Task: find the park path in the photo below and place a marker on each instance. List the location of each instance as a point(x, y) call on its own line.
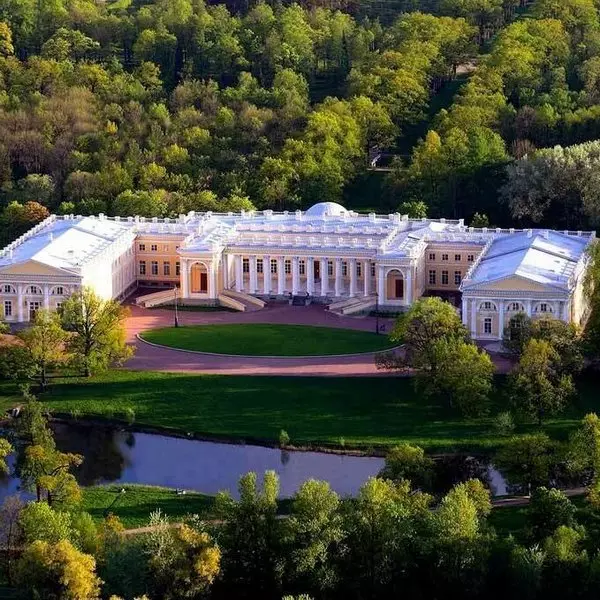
point(149, 357)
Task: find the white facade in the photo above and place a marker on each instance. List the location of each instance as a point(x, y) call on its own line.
point(327, 253)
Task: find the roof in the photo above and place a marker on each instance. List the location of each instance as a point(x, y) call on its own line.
point(545, 257)
point(64, 243)
point(326, 209)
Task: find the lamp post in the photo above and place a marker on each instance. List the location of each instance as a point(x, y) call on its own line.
point(176, 314)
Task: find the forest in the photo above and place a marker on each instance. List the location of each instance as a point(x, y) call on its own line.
point(476, 108)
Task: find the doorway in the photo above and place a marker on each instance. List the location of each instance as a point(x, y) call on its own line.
point(399, 288)
point(33, 308)
point(317, 269)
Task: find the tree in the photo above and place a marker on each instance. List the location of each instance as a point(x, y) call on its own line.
point(10, 531)
point(517, 333)
point(548, 510)
point(57, 571)
point(411, 464)
point(584, 454)
point(537, 386)
point(38, 521)
point(98, 333)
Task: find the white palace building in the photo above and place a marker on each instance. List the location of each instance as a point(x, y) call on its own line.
point(328, 254)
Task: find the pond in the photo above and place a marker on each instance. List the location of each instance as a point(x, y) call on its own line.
point(112, 455)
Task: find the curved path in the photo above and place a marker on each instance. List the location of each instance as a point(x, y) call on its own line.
point(155, 358)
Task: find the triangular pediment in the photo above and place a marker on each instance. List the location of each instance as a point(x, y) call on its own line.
point(512, 283)
point(33, 267)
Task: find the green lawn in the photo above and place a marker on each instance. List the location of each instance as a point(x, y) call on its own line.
point(135, 505)
point(363, 412)
point(262, 339)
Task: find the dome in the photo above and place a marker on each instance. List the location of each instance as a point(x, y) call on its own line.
point(326, 209)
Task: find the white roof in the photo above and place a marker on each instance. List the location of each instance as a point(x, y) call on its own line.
point(326, 209)
point(64, 244)
point(545, 257)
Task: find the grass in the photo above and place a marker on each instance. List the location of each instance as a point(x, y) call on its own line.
point(260, 339)
point(135, 505)
point(366, 412)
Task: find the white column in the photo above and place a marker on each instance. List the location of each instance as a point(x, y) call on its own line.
point(20, 303)
point(324, 276)
point(310, 275)
point(473, 317)
point(366, 278)
point(280, 275)
point(464, 311)
point(352, 267)
point(253, 275)
point(381, 285)
point(501, 318)
point(239, 274)
point(226, 264)
point(185, 280)
point(565, 312)
point(212, 279)
point(338, 277)
point(528, 307)
point(408, 287)
point(295, 276)
point(267, 274)
point(46, 297)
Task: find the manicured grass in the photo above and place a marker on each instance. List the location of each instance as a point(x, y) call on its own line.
point(135, 505)
point(261, 339)
point(364, 412)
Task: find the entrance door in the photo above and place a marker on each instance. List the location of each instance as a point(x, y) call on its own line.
point(399, 288)
point(203, 283)
point(317, 270)
point(33, 308)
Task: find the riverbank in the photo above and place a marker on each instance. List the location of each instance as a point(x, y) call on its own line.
point(367, 413)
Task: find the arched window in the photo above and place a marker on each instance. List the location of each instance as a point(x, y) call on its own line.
point(543, 308)
point(34, 290)
point(515, 307)
point(8, 289)
point(488, 306)
point(59, 290)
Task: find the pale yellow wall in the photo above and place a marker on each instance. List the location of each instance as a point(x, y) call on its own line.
point(166, 252)
point(516, 283)
point(451, 265)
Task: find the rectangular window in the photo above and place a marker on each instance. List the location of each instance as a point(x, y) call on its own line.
point(359, 269)
point(166, 268)
point(8, 308)
point(444, 257)
point(259, 265)
point(487, 325)
point(432, 256)
point(543, 307)
point(373, 270)
point(154, 247)
point(273, 265)
point(7, 289)
point(470, 257)
point(142, 247)
point(431, 277)
point(142, 267)
point(287, 266)
point(154, 267)
point(58, 291)
point(330, 268)
point(457, 258)
point(457, 277)
point(344, 268)
point(302, 267)
point(245, 265)
point(177, 268)
point(444, 277)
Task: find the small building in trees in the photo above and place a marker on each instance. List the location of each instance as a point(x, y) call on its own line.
point(350, 261)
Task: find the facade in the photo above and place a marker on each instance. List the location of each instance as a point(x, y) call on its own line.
point(328, 253)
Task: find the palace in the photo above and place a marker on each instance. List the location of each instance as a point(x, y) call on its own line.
point(352, 262)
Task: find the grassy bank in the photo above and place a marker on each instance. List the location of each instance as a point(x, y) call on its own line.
point(261, 339)
point(359, 412)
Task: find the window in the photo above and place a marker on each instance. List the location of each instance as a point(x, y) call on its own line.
point(8, 289)
point(142, 267)
point(544, 307)
point(166, 268)
point(259, 265)
point(302, 267)
point(444, 257)
point(488, 306)
point(177, 268)
point(34, 290)
point(330, 268)
point(154, 247)
point(8, 308)
point(58, 291)
point(359, 269)
point(432, 256)
point(245, 265)
point(287, 266)
point(344, 268)
point(487, 325)
point(373, 270)
point(457, 257)
point(457, 277)
point(470, 257)
point(515, 307)
point(142, 247)
point(154, 267)
point(431, 277)
point(273, 265)
point(444, 277)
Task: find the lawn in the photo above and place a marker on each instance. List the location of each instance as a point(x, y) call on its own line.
point(262, 339)
point(360, 412)
point(134, 506)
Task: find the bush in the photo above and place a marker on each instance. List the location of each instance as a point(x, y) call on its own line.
point(284, 438)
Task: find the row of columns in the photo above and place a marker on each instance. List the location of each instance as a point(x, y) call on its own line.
point(21, 297)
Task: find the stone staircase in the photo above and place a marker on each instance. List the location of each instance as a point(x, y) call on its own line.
point(351, 306)
point(298, 300)
point(240, 301)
